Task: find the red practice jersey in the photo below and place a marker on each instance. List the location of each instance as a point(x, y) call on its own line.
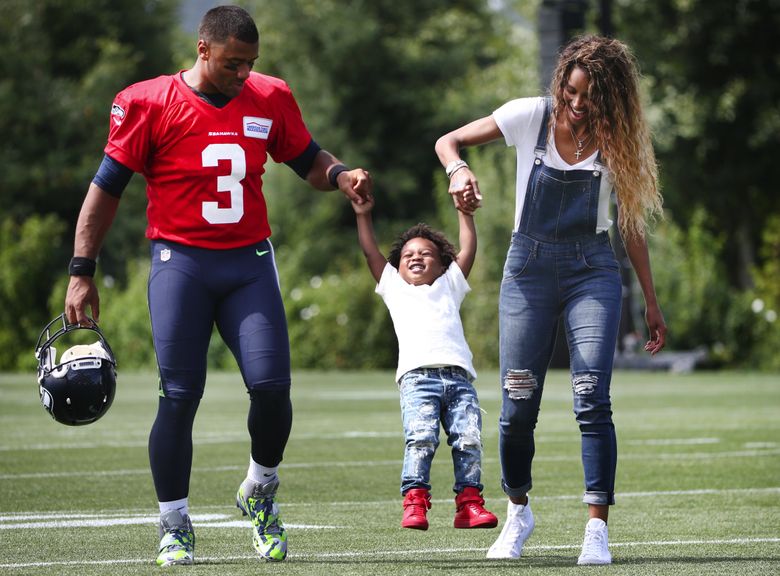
point(204, 165)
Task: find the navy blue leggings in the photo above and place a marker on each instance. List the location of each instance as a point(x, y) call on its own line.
point(170, 442)
point(192, 290)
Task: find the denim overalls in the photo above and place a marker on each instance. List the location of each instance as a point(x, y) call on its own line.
point(557, 264)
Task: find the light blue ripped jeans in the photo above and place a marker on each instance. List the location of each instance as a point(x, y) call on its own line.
point(430, 396)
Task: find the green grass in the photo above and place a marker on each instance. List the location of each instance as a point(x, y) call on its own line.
point(698, 482)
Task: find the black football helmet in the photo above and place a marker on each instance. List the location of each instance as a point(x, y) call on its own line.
point(79, 388)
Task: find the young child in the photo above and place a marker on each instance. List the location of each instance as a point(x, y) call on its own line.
point(423, 283)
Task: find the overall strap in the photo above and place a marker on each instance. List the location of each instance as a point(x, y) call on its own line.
point(599, 163)
point(541, 139)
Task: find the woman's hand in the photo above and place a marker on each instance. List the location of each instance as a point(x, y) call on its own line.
point(656, 328)
point(464, 190)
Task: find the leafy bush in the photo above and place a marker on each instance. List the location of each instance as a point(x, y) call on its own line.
point(738, 328)
point(691, 282)
point(338, 322)
point(124, 316)
point(754, 321)
point(30, 257)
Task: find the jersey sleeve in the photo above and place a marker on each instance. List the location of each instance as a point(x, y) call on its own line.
point(291, 136)
point(129, 135)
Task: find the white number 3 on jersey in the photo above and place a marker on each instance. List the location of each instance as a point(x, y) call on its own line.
point(212, 154)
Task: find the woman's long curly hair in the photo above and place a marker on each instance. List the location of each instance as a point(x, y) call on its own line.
point(446, 249)
point(617, 123)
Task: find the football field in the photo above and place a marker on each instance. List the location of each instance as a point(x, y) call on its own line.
point(698, 488)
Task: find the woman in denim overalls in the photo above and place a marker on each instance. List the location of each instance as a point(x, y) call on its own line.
point(573, 150)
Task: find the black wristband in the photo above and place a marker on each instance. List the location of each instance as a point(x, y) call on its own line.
point(80, 266)
point(334, 174)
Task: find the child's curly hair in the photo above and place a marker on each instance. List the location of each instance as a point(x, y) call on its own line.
point(446, 249)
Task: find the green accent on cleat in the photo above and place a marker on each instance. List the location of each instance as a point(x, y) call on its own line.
point(177, 540)
point(269, 537)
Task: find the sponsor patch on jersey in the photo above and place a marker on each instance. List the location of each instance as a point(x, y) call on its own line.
point(257, 127)
point(117, 114)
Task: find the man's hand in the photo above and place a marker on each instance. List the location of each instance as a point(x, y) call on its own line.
point(82, 293)
point(356, 185)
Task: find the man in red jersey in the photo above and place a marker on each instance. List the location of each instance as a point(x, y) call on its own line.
point(201, 138)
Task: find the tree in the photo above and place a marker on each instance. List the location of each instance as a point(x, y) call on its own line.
point(712, 70)
point(62, 63)
point(378, 81)
point(378, 92)
point(26, 261)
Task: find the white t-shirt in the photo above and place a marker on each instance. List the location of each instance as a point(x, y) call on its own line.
point(427, 320)
point(519, 121)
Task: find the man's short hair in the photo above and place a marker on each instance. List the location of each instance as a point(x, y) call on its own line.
point(223, 22)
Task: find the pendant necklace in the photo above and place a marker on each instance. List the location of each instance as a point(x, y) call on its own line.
point(579, 144)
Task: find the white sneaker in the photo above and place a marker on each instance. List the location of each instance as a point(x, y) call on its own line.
point(517, 528)
point(595, 547)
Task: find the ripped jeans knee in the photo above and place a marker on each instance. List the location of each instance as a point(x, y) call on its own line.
point(584, 384)
point(592, 405)
point(519, 384)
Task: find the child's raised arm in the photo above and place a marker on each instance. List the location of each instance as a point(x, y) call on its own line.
point(365, 226)
point(468, 242)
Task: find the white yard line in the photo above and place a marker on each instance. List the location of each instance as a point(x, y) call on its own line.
point(107, 517)
point(754, 453)
point(51, 520)
point(673, 441)
point(207, 439)
point(394, 553)
point(198, 439)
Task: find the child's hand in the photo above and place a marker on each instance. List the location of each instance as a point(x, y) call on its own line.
point(464, 190)
point(365, 207)
point(469, 201)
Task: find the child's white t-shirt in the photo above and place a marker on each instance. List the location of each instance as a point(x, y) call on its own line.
point(427, 320)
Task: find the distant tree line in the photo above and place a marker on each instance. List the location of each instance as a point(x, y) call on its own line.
point(378, 81)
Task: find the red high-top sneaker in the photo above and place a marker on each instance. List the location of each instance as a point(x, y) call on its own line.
point(470, 510)
point(416, 504)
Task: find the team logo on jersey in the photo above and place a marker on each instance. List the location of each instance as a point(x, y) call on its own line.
point(117, 114)
point(257, 127)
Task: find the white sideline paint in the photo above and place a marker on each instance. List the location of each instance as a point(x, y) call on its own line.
point(26, 520)
point(754, 453)
point(67, 521)
point(393, 553)
point(673, 441)
point(754, 445)
point(207, 439)
point(201, 440)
